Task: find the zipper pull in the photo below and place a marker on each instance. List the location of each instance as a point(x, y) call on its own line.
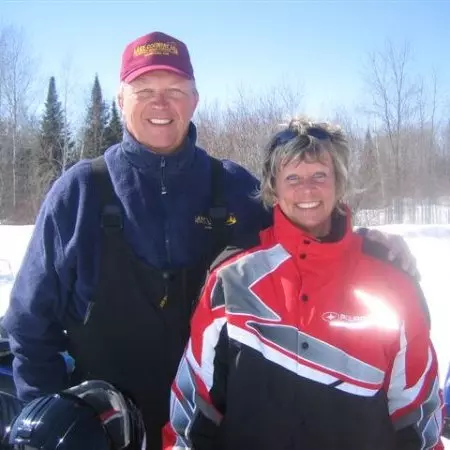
point(163, 301)
point(163, 185)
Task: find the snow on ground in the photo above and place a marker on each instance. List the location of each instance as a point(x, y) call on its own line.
point(13, 245)
point(430, 244)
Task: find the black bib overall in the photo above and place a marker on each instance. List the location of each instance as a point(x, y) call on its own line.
point(138, 322)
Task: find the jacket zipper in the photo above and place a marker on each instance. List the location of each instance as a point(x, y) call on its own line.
point(166, 276)
point(163, 183)
point(164, 192)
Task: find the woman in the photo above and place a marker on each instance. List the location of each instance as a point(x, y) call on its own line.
point(308, 339)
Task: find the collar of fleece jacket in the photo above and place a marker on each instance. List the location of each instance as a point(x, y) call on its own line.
point(147, 160)
point(305, 247)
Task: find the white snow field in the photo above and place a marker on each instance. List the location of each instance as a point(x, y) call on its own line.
point(13, 244)
point(430, 244)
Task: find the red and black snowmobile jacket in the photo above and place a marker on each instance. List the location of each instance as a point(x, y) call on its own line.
point(308, 345)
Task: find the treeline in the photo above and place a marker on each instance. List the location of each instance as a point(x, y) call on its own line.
point(36, 150)
point(400, 142)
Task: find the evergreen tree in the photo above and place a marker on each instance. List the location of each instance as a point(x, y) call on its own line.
point(114, 130)
point(369, 148)
point(370, 172)
point(96, 121)
point(370, 158)
point(52, 138)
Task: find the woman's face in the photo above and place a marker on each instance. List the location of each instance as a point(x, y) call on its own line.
point(306, 193)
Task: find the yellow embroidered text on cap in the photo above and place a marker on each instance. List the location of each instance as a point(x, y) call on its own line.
point(156, 48)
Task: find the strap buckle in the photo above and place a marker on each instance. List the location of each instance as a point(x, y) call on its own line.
point(218, 213)
point(111, 217)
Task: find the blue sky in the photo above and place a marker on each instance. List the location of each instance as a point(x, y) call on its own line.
point(319, 45)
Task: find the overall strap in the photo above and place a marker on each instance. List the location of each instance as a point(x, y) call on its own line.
point(111, 214)
point(218, 212)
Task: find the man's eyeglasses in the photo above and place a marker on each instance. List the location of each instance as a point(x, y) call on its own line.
point(167, 94)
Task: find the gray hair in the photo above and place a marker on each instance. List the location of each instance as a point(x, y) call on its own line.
point(301, 145)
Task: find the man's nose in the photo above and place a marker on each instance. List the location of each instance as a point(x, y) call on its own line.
point(159, 100)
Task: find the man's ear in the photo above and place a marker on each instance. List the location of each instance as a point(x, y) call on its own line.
point(120, 97)
point(120, 100)
point(197, 98)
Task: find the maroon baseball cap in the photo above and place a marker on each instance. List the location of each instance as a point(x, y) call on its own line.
point(155, 51)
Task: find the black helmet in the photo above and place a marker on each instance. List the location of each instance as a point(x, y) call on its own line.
point(10, 407)
point(91, 416)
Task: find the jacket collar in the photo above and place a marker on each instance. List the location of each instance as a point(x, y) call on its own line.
point(298, 242)
point(146, 159)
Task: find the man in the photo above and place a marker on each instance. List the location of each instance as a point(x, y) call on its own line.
point(119, 252)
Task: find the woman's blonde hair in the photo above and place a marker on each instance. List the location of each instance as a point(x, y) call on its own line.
point(301, 139)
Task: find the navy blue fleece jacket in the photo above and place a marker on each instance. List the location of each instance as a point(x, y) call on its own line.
point(166, 230)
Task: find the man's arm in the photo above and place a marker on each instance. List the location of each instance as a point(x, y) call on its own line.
point(414, 396)
point(396, 249)
point(33, 318)
point(198, 394)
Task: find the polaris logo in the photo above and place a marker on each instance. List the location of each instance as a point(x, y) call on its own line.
point(332, 316)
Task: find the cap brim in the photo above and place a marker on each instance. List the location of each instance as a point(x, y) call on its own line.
point(138, 72)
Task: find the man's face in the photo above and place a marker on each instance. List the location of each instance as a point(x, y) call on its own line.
point(157, 108)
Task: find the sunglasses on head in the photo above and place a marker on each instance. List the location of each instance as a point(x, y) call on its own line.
point(283, 137)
